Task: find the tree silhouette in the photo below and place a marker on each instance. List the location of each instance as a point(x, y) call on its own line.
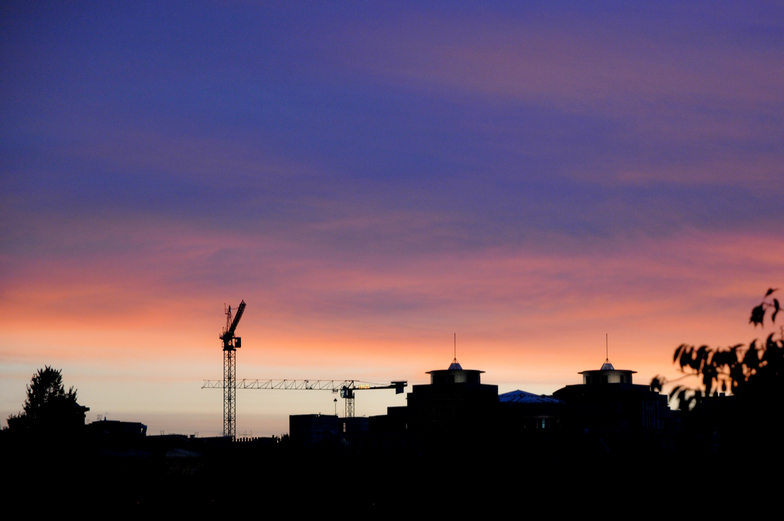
point(753, 372)
point(48, 405)
point(735, 405)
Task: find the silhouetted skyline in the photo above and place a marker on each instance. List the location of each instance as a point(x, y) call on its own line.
point(371, 179)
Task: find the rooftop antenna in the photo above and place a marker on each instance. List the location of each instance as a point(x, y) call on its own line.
point(455, 364)
point(606, 347)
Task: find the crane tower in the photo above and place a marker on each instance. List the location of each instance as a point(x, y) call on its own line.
point(230, 345)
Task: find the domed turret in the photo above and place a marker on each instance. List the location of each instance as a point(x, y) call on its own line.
point(607, 375)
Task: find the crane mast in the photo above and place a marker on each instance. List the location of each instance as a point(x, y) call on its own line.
point(230, 345)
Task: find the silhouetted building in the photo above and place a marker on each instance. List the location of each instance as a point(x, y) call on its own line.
point(609, 403)
point(314, 429)
point(527, 412)
point(116, 428)
point(354, 429)
point(456, 411)
point(455, 403)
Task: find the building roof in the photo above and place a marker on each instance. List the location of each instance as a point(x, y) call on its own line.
point(524, 397)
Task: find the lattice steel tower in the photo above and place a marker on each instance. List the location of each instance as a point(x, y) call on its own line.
point(230, 345)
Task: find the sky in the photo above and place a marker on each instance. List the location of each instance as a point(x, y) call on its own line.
point(373, 178)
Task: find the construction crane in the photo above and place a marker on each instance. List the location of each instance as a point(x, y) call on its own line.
point(230, 345)
point(346, 388)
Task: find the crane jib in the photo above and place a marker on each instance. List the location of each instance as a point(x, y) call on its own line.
point(237, 318)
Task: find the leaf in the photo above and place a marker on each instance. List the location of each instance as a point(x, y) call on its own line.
point(757, 315)
point(770, 290)
point(678, 353)
point(686, 356)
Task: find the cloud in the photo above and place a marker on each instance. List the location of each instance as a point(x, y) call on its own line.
point(572, 57)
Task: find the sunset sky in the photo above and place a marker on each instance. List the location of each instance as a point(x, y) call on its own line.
point(372, 178)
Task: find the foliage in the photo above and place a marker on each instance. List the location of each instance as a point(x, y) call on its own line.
point(47, 404)
point(753, 372)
